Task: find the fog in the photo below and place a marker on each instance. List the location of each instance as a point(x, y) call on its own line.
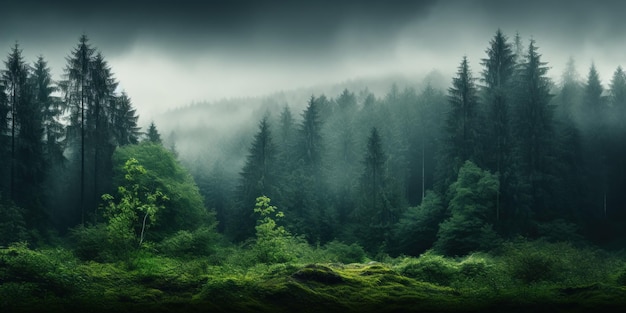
point(171, 54)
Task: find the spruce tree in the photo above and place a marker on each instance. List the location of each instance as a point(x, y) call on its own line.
point(15, 81)
point(124, 123)
point(77, 92)
point(497, 75)
point(153, 134)
point(257, 178)
point(461, 127)
point(533, 133)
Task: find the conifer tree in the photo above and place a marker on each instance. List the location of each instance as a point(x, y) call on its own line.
point(595, 139)
point(258, 177)
point(78, 98)
point(124, 123)
point(15, 81)
point(461, 128)
point(51, 109)
point(533, 132)
point(497, 75)
point(153, 134)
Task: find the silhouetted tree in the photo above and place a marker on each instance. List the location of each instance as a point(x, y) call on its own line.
point(461, 128)
point(124, 123)
point(153, 134)
point(15, 81)
point(533, 132)
point(78, 98)
point(497, 75)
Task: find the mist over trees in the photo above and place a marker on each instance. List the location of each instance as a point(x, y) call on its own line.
point(502, 152)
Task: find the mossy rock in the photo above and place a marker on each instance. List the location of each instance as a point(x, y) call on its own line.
point(318, 273)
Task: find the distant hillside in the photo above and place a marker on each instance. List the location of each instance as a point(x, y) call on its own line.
point(220, 131)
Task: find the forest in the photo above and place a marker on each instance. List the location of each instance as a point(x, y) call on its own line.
point(500, 190)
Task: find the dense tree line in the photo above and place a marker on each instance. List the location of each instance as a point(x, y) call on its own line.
point(504, 152)
point(58, 137)
point(391, 173)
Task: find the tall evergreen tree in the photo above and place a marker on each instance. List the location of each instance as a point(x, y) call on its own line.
point(569, 192)
point(124, 123)
point(617, 153)
point(533, 131)
point(76, 89)
point(497, 76)
point(258, 178)
point(15, 81)
point(99, 126)
point(51, 110)
point(592, 121)
point(378, 201)
point(461, 128)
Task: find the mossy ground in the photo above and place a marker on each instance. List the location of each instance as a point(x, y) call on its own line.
point(54, 281)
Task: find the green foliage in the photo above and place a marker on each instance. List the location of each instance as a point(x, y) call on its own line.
point(429, 267)
point(344, 253)
point(12, 224)
point(93, 243)
point(200, 242)
point(128, 220)
point(417, 229)
point(472, 206)
point(185, 207)
point(559, 263)
point(271, 239)
point(50, 269)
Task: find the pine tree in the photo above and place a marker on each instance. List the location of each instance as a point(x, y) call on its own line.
point(77, 93)
point(595, 138)
point(98, 123)
point(497, 75)
point(310, 137)
point(461, 128)
point(51, 109)
point(15, 80)
point(124, 123)
point(617, 152)
point(569, 190)
point(258, 177)
point(533, 131)
point(376, 212)
point(153, 134)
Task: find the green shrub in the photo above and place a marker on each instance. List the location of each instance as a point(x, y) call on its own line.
point(48, 269)
point(91, 243)
point(200, 242)
point(621, 277)
point(431, 268)
point(559, 262)
point(343, 253)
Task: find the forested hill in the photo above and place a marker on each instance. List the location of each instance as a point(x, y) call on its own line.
point(205, 133)
point(379, 166)
point(502, 188)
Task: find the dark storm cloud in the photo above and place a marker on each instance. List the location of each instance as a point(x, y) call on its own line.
point(167, 53)
point(302, 25)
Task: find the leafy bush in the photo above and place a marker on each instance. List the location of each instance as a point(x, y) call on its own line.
point(416, 230)
point(560, 262)
point(472, 209)
point(271, 240)
point(621, 277)
point(343, 253)
point(48, 269)
point(431, 268)
point(200, 242)
point(12, 225)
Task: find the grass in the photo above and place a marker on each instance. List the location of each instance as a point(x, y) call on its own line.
point(53, 280)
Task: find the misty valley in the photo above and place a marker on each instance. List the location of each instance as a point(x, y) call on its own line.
point(496, 190)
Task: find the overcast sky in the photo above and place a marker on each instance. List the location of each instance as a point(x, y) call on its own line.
point(168, 53)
